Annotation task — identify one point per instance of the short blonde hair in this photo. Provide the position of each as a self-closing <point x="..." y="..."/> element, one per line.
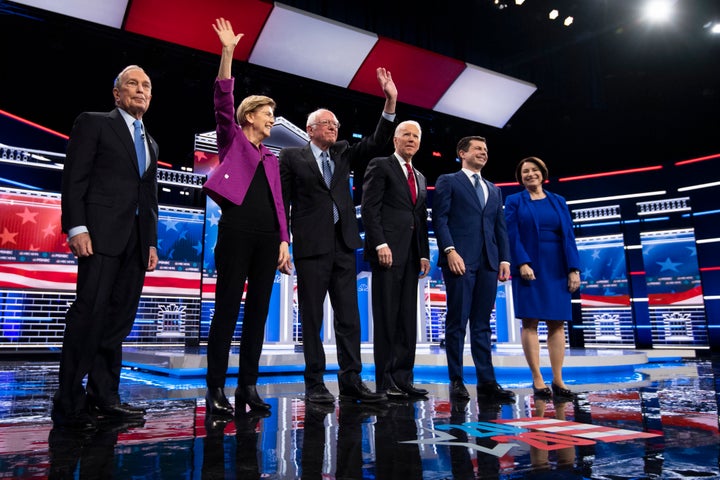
<point x="250" y="104"/>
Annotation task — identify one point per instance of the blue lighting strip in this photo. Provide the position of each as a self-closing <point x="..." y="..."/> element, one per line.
<point x="19" y="184"/>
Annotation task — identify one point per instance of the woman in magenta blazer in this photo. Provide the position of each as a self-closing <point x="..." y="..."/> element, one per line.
<point x="252" y="233"/>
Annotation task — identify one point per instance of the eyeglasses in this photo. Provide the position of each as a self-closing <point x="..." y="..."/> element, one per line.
<point x="327" y="123"/>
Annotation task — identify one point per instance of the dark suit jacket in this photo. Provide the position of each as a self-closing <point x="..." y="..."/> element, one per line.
<point x="524" y="230"/>
<point x="459" y="222"/>
<point x="101" y="184"/>
<point x="308" y="200"/>
<point x="389" y="215"/>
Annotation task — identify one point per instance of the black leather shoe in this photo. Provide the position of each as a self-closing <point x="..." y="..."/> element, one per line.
<point x="248" y="394"/>
<point x="216" y="403"/>
<point x="117" y="411"/>
<point x="458" y="390"/>
<point x="493" y="391"/>
<point x="560" y="392"/>
<point x="80" y="421"/>
<point x="394" y="393"/>
<point x="319" y="394"/>
<point x="542" y="393"/>
<point x="412" y="390"/>
<point x="359" y="392"/>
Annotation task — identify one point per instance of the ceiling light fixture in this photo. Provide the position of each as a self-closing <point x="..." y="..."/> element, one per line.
<point x="519" y="2"/>
<point x="659" y="10"/>
<point x="553" y="14"/>
<point x="568" y="21"/>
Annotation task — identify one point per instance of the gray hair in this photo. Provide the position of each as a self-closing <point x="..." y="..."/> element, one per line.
<point x="312" y="117"/>
<point x="118" y="79"/>
<point x="402" y="125"/>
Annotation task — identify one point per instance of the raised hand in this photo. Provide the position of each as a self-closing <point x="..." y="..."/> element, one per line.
<point x="225" y="33"/>
<point x="386" y="82"/>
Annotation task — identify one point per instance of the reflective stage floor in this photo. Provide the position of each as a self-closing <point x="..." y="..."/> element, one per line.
<point x="655" y="419"/>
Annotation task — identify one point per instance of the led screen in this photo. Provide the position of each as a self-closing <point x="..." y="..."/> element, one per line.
<point x="34" y="252"/>
<point x="604" y="271"/>
<point x="671" y="268"/>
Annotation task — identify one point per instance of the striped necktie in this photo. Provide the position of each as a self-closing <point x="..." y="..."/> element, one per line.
<point x="327" y="175"/>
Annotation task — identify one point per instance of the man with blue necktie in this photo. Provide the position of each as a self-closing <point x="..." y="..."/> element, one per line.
<point x="468" y="219"/>
<point x="110" y="213"/>
<point x="325" y="235"/>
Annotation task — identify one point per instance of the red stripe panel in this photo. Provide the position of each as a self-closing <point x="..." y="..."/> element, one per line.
<point x="425" y="76"/>
<point x="189" y="23"/>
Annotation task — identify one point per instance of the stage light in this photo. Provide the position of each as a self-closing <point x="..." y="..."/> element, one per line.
<point x="519" y="2"/>
<point x="659" y="10"/>
<point x="568" y="21"/>
<point x="553" y="14"/>
<point x="715" y="28"/>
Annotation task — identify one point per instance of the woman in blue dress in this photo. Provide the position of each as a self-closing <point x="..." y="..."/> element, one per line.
<point x="545" y="270"/>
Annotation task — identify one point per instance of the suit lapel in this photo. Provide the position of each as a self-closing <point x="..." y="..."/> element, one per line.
<point x="528" y="206"/>
<point x="117" y="123"/>
<point x="400" y="175"/>
<point x="467" y="186"/>
<point x="309" y="159"/>
<point x="421" y="186"/>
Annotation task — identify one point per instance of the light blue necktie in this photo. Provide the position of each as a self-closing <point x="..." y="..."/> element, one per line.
<point x="327" y="175"/>
<point x="479" y="190"/>
<point x="140" y="146"/>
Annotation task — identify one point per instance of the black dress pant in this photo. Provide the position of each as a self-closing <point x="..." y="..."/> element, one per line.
<point x="394" y="307"/>
<point x="241" y="256"/>
<point x="335" y="274"/>
<point x="97" y="323"/>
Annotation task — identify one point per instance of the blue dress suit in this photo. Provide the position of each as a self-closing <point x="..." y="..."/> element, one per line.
<point x="480" y="238"/>
<point x="551" y="253"/>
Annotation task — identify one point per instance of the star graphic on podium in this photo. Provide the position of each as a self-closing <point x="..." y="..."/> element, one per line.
<point x="28" y="216"/>
<point x="668" y="265"/>
<point x="7" y="237"/>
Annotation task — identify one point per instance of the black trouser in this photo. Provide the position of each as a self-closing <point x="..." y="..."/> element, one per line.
<point x="241" y="256"/>
<point x="97" y="323"/>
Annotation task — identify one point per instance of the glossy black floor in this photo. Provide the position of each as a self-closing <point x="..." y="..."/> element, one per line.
<point x="658" y="420"/>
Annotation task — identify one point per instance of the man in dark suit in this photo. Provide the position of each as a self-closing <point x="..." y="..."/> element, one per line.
<point x="109" y="212"/>
<point x="325" y="235"/>
<point x="468" y="220"/>
<point x="396" y="245"/>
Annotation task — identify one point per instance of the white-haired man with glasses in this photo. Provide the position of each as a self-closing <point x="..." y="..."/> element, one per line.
<point x="325" y="236"/>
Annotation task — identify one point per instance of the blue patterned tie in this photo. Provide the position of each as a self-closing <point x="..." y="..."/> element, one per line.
<point x="140" y="146"/>
<point x="327" y="175"/>
<point x="479" y="190"/>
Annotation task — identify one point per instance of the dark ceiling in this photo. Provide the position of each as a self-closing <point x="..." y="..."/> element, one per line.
<point x="614" y="91"/>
